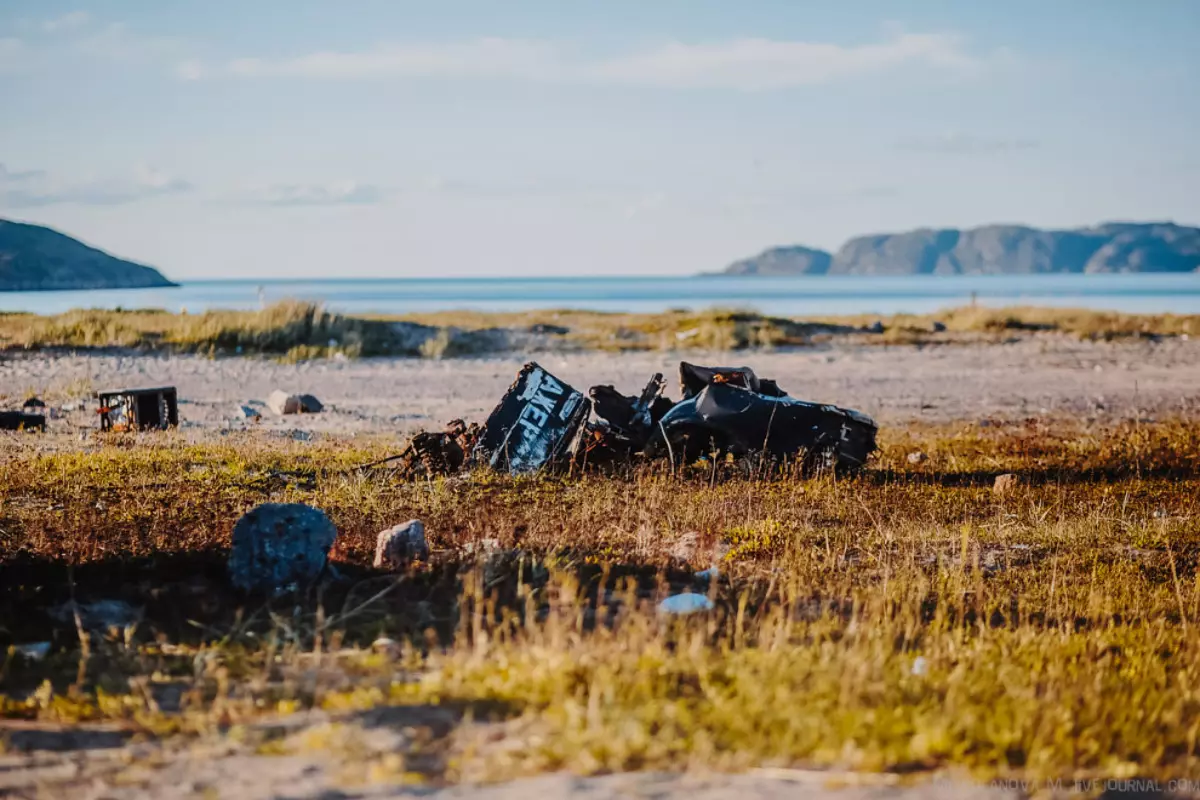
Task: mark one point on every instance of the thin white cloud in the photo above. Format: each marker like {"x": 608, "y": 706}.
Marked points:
{"x": 475, "y": 59}
{"x": 758, "y": 64}
{"x": 743, "y": 64}
{"x": 313, "y": 194}
{"x": 957, "y": 143}
{"x": 34, "y": 188}
{"x": 116, "y": 41}
{"x": 66, "y": 22}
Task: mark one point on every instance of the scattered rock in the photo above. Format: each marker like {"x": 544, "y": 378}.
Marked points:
{"x": 278, "y": 546}
{"x": 249, "y": 412}
{"x": 876, "y": 327}
{"x": 1004, "y": 484}
{"x": 310, "y": 404}
{"x": 686, "y": 603}
{"x": 98, "y": 616}
{"x": 938, "y": 327}
{"x": 283, "y": 403}
{"x": 917, "y": 457}
{"x": 401, "y": 544}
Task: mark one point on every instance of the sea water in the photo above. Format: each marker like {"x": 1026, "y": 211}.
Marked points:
{"x": 1150, "y": 293}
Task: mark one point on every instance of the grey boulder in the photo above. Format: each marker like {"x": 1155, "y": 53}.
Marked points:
{"x": 279, "y": 546}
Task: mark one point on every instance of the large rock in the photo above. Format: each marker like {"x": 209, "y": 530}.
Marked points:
{"x": 278, "y": 546}
{"x": 401, "y": 544}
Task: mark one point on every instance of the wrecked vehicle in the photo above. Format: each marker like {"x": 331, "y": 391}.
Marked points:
{"x": 725, "y": 412}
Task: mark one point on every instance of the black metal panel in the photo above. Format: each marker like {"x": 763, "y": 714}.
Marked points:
{"x": 533, "y": 425}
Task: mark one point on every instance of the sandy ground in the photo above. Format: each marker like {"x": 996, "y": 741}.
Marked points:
{"x": 1037, "y": 375}
{"x": 100, "y": 766}
{"x": 1030, "y": 377}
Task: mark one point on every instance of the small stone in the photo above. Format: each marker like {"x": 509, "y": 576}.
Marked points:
{"x": 401, "y": 544}
{"x": 686, "y": 603}
{"x": 310, "y": 404}
{"x": 279, "y": 545}
{"x": 876, "y": 327}
{"x": 917, "y": 457}
{"x": 1004, "y": 484}
{"x": 283, "y": 403}
{"x": 938, "y": 327}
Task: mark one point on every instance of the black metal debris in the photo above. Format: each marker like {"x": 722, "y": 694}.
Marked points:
{"x": 22, "y": 421}
{"x": 534, "y": 425}
{"x": 737, "y": 413}
{"x": 139, "y": 409}
{"x": 725, "y": 411}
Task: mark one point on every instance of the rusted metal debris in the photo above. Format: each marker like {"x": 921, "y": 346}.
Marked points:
{"x": 544, "y": 423}
{"x": 139, "y": 409}
{"x": 440, "y": 453}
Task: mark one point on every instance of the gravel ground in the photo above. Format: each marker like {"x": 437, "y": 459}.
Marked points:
{"x": 1028, "y": 377}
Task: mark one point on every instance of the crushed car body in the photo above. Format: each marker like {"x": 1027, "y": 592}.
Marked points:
{"x": 542, "y": 422}
{"x": 732, "y": 411}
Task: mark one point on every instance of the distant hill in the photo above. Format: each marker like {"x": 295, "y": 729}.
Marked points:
{"x": 993, "y": 250}
{"x": 34, "y": 258}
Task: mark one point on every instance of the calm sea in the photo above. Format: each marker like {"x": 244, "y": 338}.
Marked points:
{"x": 1179, "y": 293}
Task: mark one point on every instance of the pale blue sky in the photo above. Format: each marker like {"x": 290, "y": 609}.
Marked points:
{"x": 392, "y": 138}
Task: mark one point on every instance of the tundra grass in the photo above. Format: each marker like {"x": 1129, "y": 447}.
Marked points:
{"x": 907, "y": 619}
{"x": 300, "y": 331}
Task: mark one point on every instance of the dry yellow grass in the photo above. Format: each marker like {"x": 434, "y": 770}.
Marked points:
{"x": 907, "y": 619}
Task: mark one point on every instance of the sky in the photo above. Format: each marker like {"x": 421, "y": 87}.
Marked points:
{"x": 391, "y": 138}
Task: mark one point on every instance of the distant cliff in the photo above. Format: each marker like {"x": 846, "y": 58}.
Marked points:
{"x": 993, "y": 250}
{"x": 33, "y": 258}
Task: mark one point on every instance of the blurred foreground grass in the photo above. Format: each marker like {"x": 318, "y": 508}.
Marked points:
{"x": 907, "y": 619}
{"x": 299, "y": 330}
